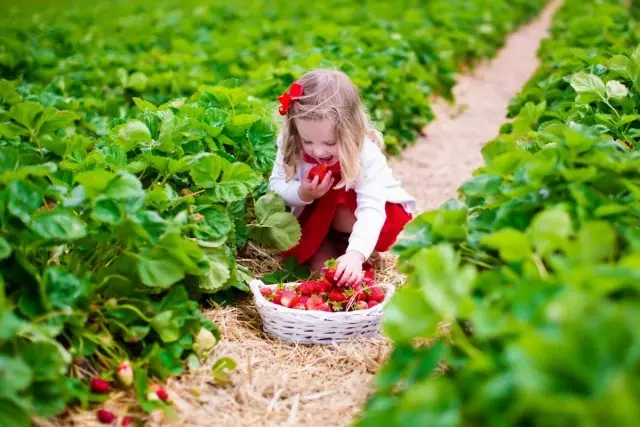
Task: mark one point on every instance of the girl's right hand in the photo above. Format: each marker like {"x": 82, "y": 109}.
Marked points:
{"x": 312, "y": 189}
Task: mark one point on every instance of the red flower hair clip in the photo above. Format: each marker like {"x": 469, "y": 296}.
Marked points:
{"x": 295, "y": 91}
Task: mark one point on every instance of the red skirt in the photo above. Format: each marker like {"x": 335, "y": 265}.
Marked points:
{"x": 316, "y": 219}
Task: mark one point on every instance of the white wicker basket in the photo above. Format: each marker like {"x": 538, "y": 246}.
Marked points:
{"x": 317, "y": 327}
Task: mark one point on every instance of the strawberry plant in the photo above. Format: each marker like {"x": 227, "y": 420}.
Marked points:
{"x": 95, "y": 58}
{"x": 535, "y": 270}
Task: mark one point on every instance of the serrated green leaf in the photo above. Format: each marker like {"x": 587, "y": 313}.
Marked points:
{"x": 589, "y": 84}
{"x": 616, "y": 90}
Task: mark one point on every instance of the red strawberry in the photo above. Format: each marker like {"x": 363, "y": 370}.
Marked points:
{"x": 99, "y": 386}
{"x": 360, "y": 305}
{"x": 329, "y": 270}
{"x": 372, "y": 303}
{"x": 277, "y": 296}
{"x": 300, "y": 306}
{"x": 337, "y": 296}
{"x": 126, "y": 421}
{"x": 303, "y": 300}
{"x": 324, "y": 307}
{"x": 314, "y": 302}
{"x": 323, "y": 287}
{"x": 320, "y": 170}
{"x": 162, "y": 394}
{"x": 307, "y": 288}
{"x": 358, "y": 291}
{"x": 265, "y": 292}
{"x": 377, "y": 294}
{"x": 368, "y": 269}
{"x": 105, "y": 416}
{"x": 289, "y": 299}
{"x": 368, "y": 282}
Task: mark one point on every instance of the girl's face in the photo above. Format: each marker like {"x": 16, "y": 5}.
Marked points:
{"x": 319, "y": 139}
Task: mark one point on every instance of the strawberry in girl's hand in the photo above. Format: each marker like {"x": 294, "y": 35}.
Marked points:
{"x": 320, "y": 170}
{"x": 377, "y": 294}
{"x": 372, "y": 303}
{"x": 289, "y": 299}
{"x": 329, "y": 270}
{"x": 100, "y": 386}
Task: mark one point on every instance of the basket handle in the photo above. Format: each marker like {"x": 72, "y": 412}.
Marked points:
{"x": 255, "y": 285}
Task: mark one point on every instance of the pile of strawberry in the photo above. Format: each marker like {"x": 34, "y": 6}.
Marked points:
{"x": 326, "y": 295}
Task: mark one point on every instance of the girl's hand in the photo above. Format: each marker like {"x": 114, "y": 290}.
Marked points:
{"x": 349, "y": 270}
{"x": 312, "y": 189}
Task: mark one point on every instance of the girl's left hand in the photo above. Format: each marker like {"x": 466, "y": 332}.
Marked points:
{"x": 349, "y": 269}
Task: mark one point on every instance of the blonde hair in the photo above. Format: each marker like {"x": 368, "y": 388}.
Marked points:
{"x": 328, "y": 94}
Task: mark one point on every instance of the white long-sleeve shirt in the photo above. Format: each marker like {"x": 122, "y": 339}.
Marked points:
{"x": 374, "y": 189}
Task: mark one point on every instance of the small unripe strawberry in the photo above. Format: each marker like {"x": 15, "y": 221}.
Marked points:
{"x": 125, "y": 373}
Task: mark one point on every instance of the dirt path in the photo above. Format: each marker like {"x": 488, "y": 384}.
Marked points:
{"x": 277, "y": 384}
{"x": 435, "y": 167}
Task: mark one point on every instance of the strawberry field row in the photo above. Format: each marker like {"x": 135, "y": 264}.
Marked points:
{"x": 536, "y": 271}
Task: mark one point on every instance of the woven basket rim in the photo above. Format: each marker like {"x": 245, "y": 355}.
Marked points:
{"x": 260, "y": 300}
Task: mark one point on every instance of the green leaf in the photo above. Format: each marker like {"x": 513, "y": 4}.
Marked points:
{"x": 238, "y": 179}
{"x": 52, "y": 120}
{"x": 63, "y": 288}
{"x": 262, "y": 137}
{"x": 623, "y": 65}
{"x": 132, "y": 133}
{"x": 25, "y": 113}
{"x": 596, "y": 242}
{"x": 157, "y": 268}
{"x": 589, "y": 84}
{"x": 219, "y": 269}
{"x": 23, "y": 198}
{"x": 616, "y": 90}
{"x": 48, "y": 361}
{"x": 243, "y": 120}
{"x": 166, "y": 326}
{"x": 445, "y": 285}
{"x": 408, "y": 316}
{"x": 206, "y": 170}
{"x": 44, "y": 169}
{"x": 59, "y": 225}
{"x": 220, "y": 369}
{"x": 513, "y": 245}
{"x": 138, "y": 81}
{"x": 15, "y": 375}
{"x": 549, "y": 230}
{"x": 5, "y": 249}
{"x": 274, "y": 227}
{"x": 14, "y": 415}
{"x": 94, "y": 182}
{"x": 144, "y": 105}
{"x": 481, "y": 185}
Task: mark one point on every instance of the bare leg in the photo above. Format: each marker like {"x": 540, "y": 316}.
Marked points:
{"x": 327, "y": 251}
{"x": 343, "y": 220}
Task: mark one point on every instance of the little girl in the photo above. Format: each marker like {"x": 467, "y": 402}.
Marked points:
{"x": 357, "y": 207}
